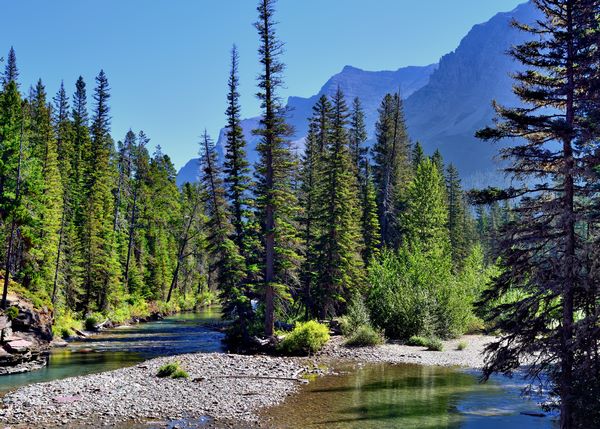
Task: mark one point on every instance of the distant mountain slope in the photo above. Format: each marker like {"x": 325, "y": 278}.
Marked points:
{"x": 456, "y": 102}
{"x": 445, "y": 104}
{"x": 369, "y": 86}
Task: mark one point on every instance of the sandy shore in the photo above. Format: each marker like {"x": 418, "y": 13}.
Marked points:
{"x": 228, "y": 388}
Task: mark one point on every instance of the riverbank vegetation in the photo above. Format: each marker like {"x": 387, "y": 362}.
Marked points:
{"x": 376, "y": 236}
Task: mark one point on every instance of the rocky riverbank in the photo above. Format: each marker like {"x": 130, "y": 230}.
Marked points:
{"x": 222, "y": 386}
{"x": 470, "y": 356}
{"x": 25, "y": 336}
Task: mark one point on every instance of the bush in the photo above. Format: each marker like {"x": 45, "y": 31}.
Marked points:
{"x": 356, "y": 317}
{"x": 417, "y": 341}
{"x": 462, "y": 345}
{"x": 92, "y": 320}
{"x": 414, "y": 292}
{"x": 172, "y": 370}
{"x": 431, "y": 343}
{"x": 365, "y": 336}
{"x": 65, "y": 325}
{"x": 435, "y": 344}
{"x": 12, "y": 313}
{"x": 306, "y": 338}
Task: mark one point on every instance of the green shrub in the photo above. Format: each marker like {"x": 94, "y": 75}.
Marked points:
{"x": 168, "y": 369}
{"x": 365, "y": 336}
{"x": 65, "y": 324}
{"x": 431, "y": 343}
{"x": 92, "y": 320}
{"x": 435, "y": 344}
{"x": 356, "y": 316}
{"x": 12, "y": 312}
{"x": 415, "y": 292}
{"x": 306, "y": 338}
{"x": 417, "y": 341}
{"x": 462, "y": 345}
{"x": 180, "y": 373}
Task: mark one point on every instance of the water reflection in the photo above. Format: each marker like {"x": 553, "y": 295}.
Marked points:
{"x": 407, "y": 396}
{"x": 125, "y": 346}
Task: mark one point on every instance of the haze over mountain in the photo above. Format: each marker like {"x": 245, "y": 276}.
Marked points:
{"x": 445, "y": 103}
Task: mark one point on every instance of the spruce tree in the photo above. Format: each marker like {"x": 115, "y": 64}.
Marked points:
{"x": 391, "y": 169}
{"x": 11, "y": 154}
{"x": 236, "y": 167}
{"x": 226, "y": 260}
{"x": 11, "y": 72}
{"x": 99, "y": 244}
{"x": 458, "y": 225}
{"x": 340, "y": 269}
{"x": 426, "y": 215}
{"x": 357, "y": 134}
{"x": 418, "y": 155}
{"x": 276, "y": 203}
{"x": 543, "y": 256}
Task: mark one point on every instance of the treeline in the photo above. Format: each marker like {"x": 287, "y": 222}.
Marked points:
{"x": 307, "y": 236}
{"x": 90, "y": 226}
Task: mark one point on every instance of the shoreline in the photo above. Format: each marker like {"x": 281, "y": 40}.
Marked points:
{"x": 224, "y": 387}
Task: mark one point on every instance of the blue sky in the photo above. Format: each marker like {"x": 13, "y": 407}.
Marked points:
{"x": 167, "y": 60}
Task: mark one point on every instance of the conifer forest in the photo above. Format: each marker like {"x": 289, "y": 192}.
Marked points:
{"x": 341, "y": 234}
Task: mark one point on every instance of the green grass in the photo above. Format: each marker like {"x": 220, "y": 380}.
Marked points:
{"x": 168, "y": 369}
{"x": 462, "y": 345}
{"x": 12, "y": 312}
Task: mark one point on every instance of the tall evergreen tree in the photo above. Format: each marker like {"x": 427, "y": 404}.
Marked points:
{"x": 542, "y": 255}
{"x": 11, "y": 72}
{"x": 357, "y": 134}
{"x": 100, "y": 255}
{"x": 340, "y": 269}
{"x": 426, "y": 215}
{"x": 458, "y": 218}
{"x": 275, "y": 200}
{"x": 418, "y": 155}
{"x": 391, "y": 169}
{"x": 236, "y": 166}
{"x": 226, "y": 260}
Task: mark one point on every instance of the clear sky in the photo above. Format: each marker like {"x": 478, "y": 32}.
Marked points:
{"x": 167, "y": 60}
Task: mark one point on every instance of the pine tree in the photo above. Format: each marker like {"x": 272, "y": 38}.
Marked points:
{"x": 11, "y": 72}
{"x": 426, "y": 215}
{"x": 340, "y": 269}
{"x": 370, "y": 218}
{"x": 100, "y": 255}
{"x": 236, "y": 167}
{"x": 357, "y": 135}
{"x": 418, "y": 155}
{"x": 226, "y": 259}
{"x": 45, "y": 196}
{"x": 11, "y": 156}
{"x": 542, "y": 255}
{"x": 276, "y": 202}
{"x": 391, "y": 169}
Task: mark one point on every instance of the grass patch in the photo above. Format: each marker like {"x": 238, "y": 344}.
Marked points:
{"x": 172, "y": 370}
{"x": 12, "y": 312}
{"x": 462, "y": 345}
{"x": 306, "y": 338}
{"x": 365, "y": 336}
{"x": 65, "y": 325}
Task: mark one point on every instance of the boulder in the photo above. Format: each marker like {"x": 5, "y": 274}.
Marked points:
{"x": 18, "y": 346}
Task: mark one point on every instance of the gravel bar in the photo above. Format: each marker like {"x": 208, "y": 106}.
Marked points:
{"x": 221, "y": 386}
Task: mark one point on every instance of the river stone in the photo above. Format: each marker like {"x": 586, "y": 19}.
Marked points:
{"x": 19, "y": 346}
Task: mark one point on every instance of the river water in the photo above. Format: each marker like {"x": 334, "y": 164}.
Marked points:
{"x": 360, "y": 396}
{"x": 126, "y": 346}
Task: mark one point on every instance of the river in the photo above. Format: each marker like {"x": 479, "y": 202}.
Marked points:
{"x": 360, "y": 396}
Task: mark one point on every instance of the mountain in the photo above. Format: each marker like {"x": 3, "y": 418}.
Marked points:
{"x": 445, "y": 103}
{"x": 369, "y": 86}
